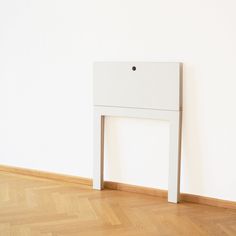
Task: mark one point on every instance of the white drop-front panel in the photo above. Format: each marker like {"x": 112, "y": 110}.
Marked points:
{"x": 152, "y": 85}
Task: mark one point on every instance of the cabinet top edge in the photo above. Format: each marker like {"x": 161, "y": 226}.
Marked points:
{"x": 140, "y": 62}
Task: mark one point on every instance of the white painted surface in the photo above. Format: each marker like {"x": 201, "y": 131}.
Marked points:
{"x": 150, "y": 90}
{"x": 151, "y": 85}
{"x": 47, "y": 49}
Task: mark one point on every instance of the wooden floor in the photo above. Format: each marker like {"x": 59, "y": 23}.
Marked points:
{"x": 33, "y": 206}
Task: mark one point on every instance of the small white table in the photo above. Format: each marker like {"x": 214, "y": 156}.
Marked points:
{"x": 151, "y": 90}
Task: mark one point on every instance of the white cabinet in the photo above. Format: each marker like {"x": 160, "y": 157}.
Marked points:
{"x": 144, "y": 90}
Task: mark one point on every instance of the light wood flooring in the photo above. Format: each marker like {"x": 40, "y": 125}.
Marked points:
{"x": 34, "y": 206}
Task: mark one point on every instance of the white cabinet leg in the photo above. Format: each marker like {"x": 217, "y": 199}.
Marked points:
{"x": 98, "y": 147}
{"x": 174, "y": 159}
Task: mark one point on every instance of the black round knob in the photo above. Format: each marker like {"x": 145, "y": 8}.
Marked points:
{"x": 134, "y": 68}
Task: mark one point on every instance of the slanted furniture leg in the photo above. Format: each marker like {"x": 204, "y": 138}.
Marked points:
{"x": 174, "y": 158}
{"x": 98, "y": 149}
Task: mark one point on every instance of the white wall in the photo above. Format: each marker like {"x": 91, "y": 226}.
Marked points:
{"x": 47, "y": 49}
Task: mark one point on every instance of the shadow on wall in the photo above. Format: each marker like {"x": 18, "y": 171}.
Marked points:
{"x": 137, "y": 151}
{"x": 112, "y": 148}
{"x": 192, "y": 163}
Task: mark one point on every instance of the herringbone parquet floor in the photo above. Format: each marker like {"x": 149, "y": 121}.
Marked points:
{"x": 39, "y": 207}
